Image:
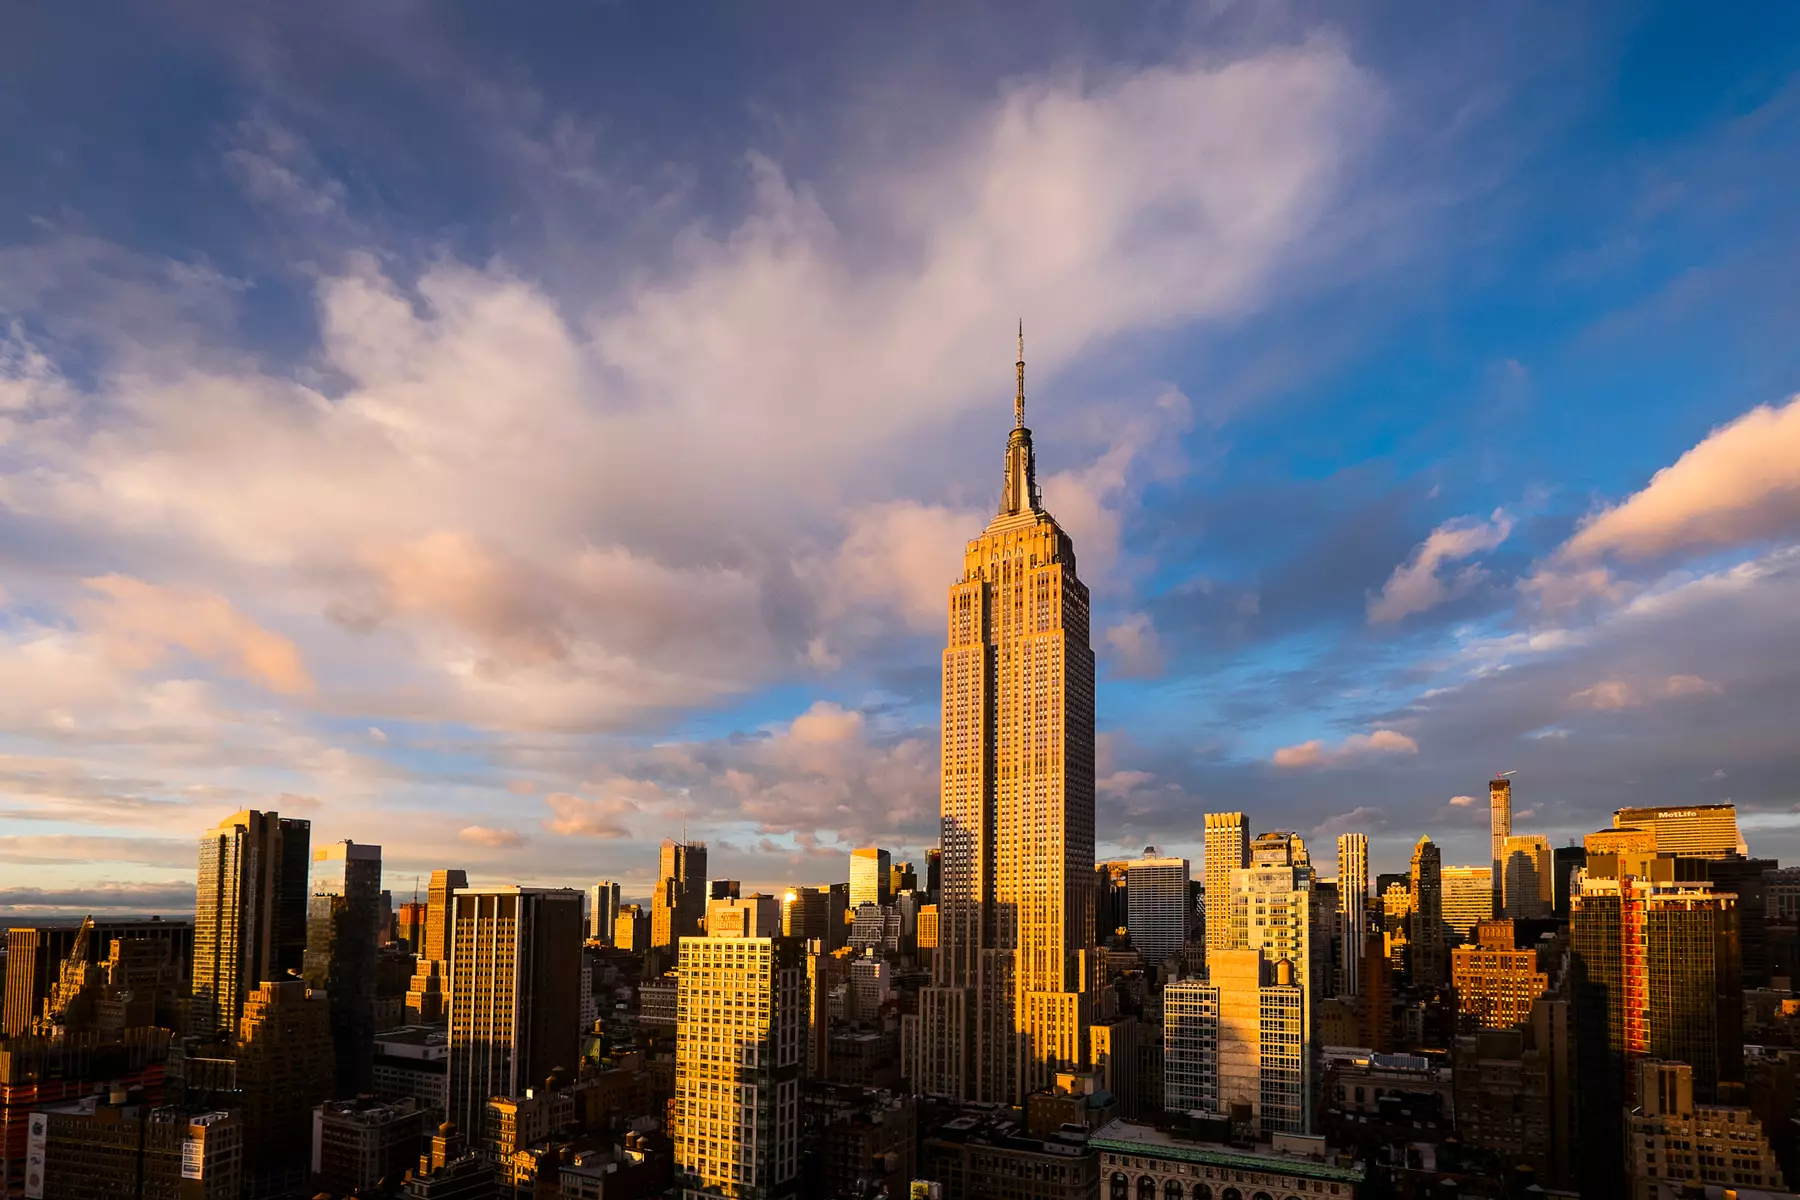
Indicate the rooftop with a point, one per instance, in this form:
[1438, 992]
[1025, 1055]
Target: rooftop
[1130, 1138]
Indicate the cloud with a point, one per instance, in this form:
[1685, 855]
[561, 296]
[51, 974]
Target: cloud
[482, 835]
[140, 624]
[1607, 695]
[1462, 801]
[1741, 483]
[1361, 819]
[1136, 651]
[603, 815]
[1689, 685]
[1416, 585]
[1358, 745]
[145, 898]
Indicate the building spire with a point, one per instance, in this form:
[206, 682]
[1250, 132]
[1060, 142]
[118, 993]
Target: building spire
[1019, 395]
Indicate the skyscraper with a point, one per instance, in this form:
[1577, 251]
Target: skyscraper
[1353, 901]
[1526, 891]
[1425, 942]
[678, 905]
[1499, 829]
[1227, 850]
[243, 911]
[1468, 900]
[1695, 830]
[1014, 966]
[1156, 905]
[740, 1053]
[444, 885]
[869, 869]
[515, 993]
[1655, 976]
[603, 910]
[342, 917]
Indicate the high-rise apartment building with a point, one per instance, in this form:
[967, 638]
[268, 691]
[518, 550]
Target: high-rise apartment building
[1496, 984]
[1227, 850]
[1468, 900]
[1353, 902]
[870, 870]
[1239, 1040]
[740, 1053]
[246, 922]
[1014, 970]
[602, 910]
[1693, 831]
[1156, 905]
[515, 993]
[1526, 892]
[1425, 940]
[1499, 829]
[678, 905]
[342, 916]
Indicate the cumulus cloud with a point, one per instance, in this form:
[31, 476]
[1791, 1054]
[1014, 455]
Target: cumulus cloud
[1607, 695]
[484, 835]
[1417, 584]
[1740, 483]
[141, 624]
[1462, 801]
[1316, 753]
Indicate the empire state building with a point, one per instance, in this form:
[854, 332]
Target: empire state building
[1013, 987]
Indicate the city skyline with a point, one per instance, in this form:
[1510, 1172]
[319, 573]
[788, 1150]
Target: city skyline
[477, 453]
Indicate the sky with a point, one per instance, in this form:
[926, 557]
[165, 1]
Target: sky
[512, 436]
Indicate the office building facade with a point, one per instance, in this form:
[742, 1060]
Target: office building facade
[678, 904]
[1156, 905]
[1499, 829]
[1693, 831]
[1236, 1045]
[870, 875]
[1528, 888]
[515, 1003]
[247, 924]
[1468, 900]
[342, 918]
[602, 910]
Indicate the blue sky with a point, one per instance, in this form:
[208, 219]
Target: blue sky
[510, 437]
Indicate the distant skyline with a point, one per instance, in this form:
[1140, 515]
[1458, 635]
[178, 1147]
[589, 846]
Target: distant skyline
[511, 438]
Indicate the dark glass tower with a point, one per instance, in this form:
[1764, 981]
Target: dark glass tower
[343, 917]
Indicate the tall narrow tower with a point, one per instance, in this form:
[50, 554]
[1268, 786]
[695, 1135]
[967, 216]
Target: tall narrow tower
[1227, 850]
[1499, 829]
[1014, 965]
[1353, 901]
